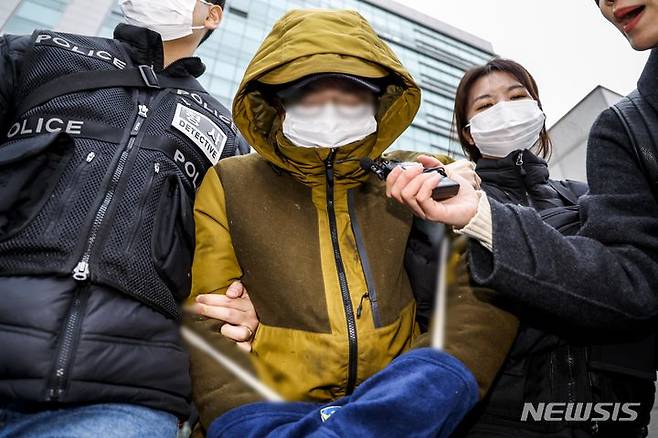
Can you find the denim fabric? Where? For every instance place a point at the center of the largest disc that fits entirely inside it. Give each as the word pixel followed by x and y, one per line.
pixel 100 420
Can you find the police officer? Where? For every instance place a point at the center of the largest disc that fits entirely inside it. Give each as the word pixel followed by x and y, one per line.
pixel 105 143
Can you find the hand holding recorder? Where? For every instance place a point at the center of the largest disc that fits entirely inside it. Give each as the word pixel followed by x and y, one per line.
pixel 432 196
pixel 446 188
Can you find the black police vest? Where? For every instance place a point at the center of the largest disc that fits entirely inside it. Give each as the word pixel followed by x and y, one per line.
pixel 99 169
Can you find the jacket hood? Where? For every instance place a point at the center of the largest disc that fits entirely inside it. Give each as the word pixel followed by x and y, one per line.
pixel 306 42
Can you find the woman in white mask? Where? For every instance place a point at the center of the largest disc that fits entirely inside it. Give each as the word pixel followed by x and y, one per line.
pixel 501 126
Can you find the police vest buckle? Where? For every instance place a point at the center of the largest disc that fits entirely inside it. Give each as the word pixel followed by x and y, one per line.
pixel 149 76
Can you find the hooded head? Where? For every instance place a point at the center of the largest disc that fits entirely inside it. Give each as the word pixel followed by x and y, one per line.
pixel 323 45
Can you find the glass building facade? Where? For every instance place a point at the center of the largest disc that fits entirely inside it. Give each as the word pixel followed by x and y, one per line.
pixel 35 14
pixel 436 54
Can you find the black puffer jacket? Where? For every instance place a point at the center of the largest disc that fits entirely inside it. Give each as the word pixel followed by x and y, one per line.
pixel 550 360
pixel 102 152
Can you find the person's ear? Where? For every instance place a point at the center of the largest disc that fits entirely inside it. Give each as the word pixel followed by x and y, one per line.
pixel 214 17
pixel 466 131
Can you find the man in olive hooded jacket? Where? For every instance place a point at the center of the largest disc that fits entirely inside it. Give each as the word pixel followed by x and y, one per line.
pixel 320 248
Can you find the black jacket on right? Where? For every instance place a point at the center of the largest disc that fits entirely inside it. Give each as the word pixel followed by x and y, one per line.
pixel 604 280
pixel 551 360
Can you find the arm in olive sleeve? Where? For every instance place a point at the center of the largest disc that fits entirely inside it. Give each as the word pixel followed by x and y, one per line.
pixel 215 264
pixel 479 329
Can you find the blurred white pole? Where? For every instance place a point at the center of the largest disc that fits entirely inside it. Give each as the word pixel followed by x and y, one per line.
pixel 239 372
pixel 438 325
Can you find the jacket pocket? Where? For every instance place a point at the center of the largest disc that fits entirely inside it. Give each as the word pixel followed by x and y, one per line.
pixel 74 186
pixel 145 196
pixel 29 172
pixel 172 243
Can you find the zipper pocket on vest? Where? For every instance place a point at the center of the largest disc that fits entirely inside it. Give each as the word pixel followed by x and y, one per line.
pixel 137 225
pixel 81 271
pixel 65 201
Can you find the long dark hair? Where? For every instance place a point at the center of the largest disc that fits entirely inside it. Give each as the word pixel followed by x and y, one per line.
pixel 464 89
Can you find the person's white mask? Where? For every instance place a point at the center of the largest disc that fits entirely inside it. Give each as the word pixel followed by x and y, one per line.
pixel 507 127
pixel 329 125
pixel 172 19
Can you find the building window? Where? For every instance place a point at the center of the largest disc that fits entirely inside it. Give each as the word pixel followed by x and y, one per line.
pixel 238 12
pixel 35 14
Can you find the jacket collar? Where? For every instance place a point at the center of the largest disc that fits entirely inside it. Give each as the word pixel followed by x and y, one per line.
pixel 517 174
pixel 145 48
pixel 648 83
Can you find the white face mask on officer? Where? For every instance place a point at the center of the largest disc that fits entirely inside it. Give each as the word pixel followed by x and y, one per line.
pixel 172 19
pixel 506 127
pixel 329 125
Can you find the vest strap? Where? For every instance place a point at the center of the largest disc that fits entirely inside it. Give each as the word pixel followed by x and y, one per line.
pixel 140 77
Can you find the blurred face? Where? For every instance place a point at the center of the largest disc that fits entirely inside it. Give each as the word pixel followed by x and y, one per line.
pixel 636 19
pixel 491 89
pixel 336 95
pixel 329 113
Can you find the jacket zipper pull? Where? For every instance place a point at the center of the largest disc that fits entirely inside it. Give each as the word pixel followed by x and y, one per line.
pixel 90 157
pixel 142 114
pixel 81 271
pixel 359 309
pixel 519 162
pixel 329 162
pixel 143 111
pixel 156 167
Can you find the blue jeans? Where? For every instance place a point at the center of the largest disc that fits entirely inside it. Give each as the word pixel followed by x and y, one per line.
pixel 100 420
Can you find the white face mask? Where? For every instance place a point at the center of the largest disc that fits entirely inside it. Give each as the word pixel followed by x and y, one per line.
pixel 329 125
pixel 507 127
pixel 172 19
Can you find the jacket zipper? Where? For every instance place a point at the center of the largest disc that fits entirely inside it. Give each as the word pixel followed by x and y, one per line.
pixel 342 278
pixel 590 388
pixel 571 384
pixel 371 293
pixel 519 163
pixel 67 345
pixel 81 170
pixel 134 232
pixel 81 270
